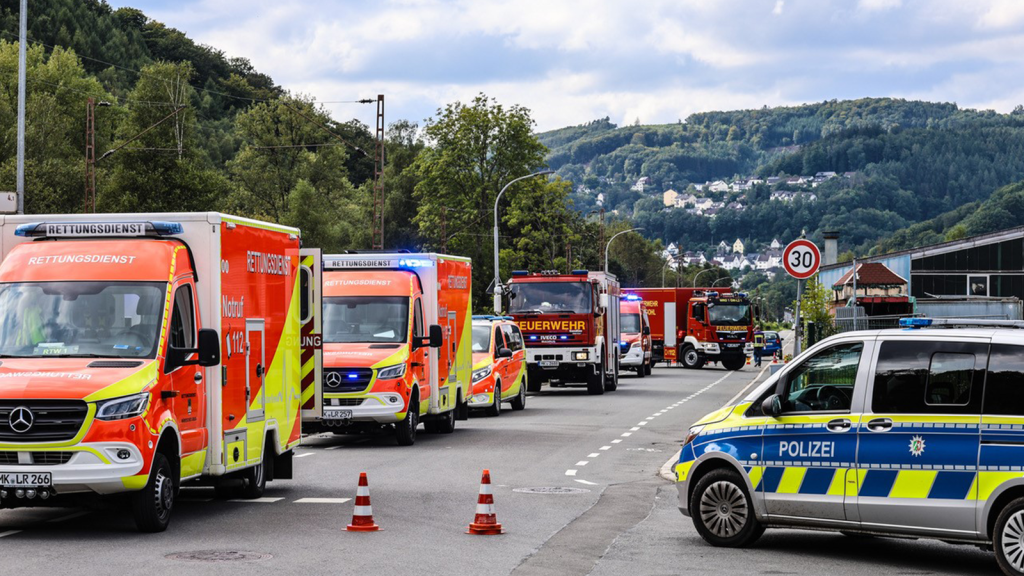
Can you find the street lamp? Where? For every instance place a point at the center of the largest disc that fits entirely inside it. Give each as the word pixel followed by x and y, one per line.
pixel 729 278
pixel 668 261
pixel 699 274
pixel 609 244
pixel 497 277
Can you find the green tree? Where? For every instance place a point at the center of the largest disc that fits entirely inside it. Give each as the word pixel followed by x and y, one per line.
pixel 815 306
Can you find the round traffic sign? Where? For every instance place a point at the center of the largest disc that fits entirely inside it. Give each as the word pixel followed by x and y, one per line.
pixel 801 259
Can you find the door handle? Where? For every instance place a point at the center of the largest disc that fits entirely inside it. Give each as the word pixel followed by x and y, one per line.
pixel 198 377
pixel 880 425
pixel 259 371
pixel 839 425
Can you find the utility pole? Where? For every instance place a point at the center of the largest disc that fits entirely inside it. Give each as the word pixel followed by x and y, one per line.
pixel 444 229
pixel 378 182
pixel 90 155
pixel 22 41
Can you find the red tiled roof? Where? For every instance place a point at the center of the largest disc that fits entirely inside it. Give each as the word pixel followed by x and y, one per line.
pixel 872 274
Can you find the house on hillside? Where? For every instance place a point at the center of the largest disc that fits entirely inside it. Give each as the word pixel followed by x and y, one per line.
pixel 879 292
pixel 737 246
pixel 775 245
pixel 641 184
pixel 670 198
pixel 718 186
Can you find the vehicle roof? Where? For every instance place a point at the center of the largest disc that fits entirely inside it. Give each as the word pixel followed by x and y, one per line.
pixel 959 332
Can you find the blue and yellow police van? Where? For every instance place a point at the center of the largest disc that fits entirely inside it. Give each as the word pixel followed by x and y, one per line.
pixel 905 432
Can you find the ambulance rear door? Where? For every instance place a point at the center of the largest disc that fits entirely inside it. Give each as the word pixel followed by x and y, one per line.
pixel 311 319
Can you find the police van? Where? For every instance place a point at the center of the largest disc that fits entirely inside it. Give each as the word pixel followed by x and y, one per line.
pixel 906 432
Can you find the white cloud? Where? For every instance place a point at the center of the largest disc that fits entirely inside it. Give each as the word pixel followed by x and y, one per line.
pixel 877 5
pixel 778 7
pixel 1002 14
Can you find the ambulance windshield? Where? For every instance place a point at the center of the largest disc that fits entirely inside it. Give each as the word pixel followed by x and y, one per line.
pixel 629 324
pixel 81 319
pixel 729 314
pixel 366 319
pixel 550 298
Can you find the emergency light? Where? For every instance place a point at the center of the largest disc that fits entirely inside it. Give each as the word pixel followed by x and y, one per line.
pixel 915 322
pixel 520 272
pixel 580 272
pixel 632 298
pixel 415 263
pixel 98 229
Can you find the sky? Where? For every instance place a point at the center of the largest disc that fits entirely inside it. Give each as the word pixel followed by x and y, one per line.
pixel 656 61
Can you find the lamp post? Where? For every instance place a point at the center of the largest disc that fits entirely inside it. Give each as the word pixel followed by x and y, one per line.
pixel 729 278
pixel 609 244
pixel 668 261
pixel 699 274
pixel 497 277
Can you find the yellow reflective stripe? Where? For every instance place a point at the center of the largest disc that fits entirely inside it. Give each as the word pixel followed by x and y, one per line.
pixel 755 475
pixel 682 469
pixel 854 480
pixel 135 482
pixel 791 479
pixel 987 483
pixel 972 493
pixel 307 394
pixel 838 485
pixel 913 484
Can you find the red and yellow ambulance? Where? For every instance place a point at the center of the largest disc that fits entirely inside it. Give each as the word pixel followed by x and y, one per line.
pixel 635 339
pixel 499 364
pixel 141 351
pixel 396 344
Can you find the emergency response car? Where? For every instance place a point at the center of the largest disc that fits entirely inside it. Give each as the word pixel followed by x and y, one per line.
pixel 140 351
pixel 499 364
pixel 396 344
pixel 635 338
pixel 916 432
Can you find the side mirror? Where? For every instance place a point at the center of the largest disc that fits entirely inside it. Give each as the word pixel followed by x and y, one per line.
pixel 647 330
pixel 602 302
pixel 436 337
pixel 772 406
pixel 207 352
pixel 504 353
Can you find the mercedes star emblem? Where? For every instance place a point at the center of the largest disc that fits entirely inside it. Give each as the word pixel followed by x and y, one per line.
pixel 333 379
pixel 21 419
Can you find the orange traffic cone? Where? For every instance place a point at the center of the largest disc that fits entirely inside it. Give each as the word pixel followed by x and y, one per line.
pixel 362 514
pixel 748 360
pixel 486 521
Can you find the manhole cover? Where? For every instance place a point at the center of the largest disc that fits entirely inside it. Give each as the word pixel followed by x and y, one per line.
pixel 219 556
pixel 551 490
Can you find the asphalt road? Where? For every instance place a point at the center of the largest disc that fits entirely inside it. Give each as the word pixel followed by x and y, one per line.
pixel 619 518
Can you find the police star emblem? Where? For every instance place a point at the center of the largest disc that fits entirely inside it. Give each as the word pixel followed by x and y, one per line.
pixel 917 445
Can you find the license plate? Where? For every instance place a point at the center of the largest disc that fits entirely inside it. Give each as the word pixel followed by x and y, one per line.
pixel 733 345
pixel 337 414
pixel 549 363
pixel 26 480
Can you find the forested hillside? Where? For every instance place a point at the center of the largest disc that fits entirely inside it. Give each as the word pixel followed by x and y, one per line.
pixel 905 162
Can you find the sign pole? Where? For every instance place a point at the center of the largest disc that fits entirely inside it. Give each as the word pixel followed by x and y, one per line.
pixel 799 328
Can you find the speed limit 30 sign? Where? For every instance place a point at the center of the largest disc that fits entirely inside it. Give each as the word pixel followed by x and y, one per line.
pixel 801 259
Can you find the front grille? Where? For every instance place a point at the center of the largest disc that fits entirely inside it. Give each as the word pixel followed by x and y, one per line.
pixel 732 335
pixel 347 379
pixel 549 356
pixel 51 420
pixel 38 458
pixel 346 401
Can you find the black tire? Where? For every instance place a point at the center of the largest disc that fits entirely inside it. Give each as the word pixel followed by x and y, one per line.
pixel 405 431
pixel 647 369
pixel 595 382
pixel 445 424
pixel 495 408
pixel 462 410
pixel 641 371
pixel 1006 541
pixel 254 480
pixel 152 506
pixel 733 362
pixel 611 383
pixel 722 510
pixel 519 402
pixel 691 358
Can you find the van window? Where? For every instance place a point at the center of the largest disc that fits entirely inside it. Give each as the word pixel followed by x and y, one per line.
pixel 1004 388
pixel 182 333
pixel 499 341
pixel 698 312
pixel 825 381
pixel 511 341
pixel 305 294
pixel 417 319
pixel 518 337
pixel 921 377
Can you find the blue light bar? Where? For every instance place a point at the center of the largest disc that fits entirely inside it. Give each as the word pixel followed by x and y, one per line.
pixel 415 263
pixel 98 229
pixel 167 228
pixel 580 272
pixel 563 337
pixel 741 294
pixel 533 337
pixel 631 298
pixel 353 376
pixel 915 322
pixel 520 272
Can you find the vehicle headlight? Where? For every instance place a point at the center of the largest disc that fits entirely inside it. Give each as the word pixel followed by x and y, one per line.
pixel 123 407
pixel 391 372
pixel 634 345
pixel 692 434
pixel 480 374
pixel 581 355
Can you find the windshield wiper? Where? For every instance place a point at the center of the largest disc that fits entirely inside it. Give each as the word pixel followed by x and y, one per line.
pixel 77 356
pixel 527 312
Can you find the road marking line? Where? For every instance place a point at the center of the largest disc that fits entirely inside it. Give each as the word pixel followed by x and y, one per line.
pixel 71 516
pixel 263 500
pixel 634 428
pixel 617 440
pixel 332 447
pixel 627 434
pixel 665 410
pixel 593 455
pixel 322 500
pixel 605 448
pixel 303 454
pixel 583 463
pixel 585 482
pixel 9 533
pixel 648 418
pixel 570 472
pixel 641 423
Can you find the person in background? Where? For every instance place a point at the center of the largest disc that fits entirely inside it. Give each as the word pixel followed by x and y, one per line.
pixel 758 345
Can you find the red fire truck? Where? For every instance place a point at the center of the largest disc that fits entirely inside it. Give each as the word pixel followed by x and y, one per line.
pixel 571 326
pixel 695 326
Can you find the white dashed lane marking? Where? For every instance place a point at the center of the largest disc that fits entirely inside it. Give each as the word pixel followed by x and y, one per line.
pixel 304 454
pixel 570 472
pixel 583 463
pixel 617 440
pixel 586 482
pixel 606 448
pixel 322 500
pixel 593 455
pixel 263 500
pixel 9 533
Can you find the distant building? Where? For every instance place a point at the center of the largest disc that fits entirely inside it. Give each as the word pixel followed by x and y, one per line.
pixel 670 198
pixel 737 246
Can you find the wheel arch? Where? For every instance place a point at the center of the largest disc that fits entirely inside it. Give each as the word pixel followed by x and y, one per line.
pixel 1007 493
pixel 709 462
